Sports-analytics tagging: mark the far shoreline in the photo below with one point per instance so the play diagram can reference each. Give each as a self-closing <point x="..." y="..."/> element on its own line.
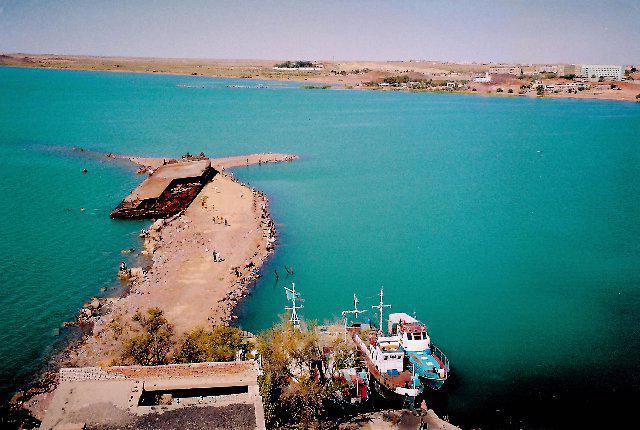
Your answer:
<point x="239" y="69"/>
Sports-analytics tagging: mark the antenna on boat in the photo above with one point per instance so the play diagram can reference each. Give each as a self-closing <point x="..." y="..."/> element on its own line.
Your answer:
<point x="354" y="311"/>
<point x="293" y="296"/>
<point x="380" y="307"/>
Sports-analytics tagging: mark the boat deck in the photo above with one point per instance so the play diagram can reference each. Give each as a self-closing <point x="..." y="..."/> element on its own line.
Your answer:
<point x="426" y="365"/>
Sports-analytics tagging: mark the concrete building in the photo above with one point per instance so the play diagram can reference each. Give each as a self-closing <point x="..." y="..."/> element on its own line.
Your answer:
<point x="185" y="396"/>
<point x="484" y="79"/>
<point x="605" y="71"/>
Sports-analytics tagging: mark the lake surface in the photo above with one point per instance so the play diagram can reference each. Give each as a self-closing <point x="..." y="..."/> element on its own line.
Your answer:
<point x="511" y="226"/>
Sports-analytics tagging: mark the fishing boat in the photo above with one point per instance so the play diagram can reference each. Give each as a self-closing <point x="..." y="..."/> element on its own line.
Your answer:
<point x="427" y="361"/>
<point x="385" y="361"/>
<point x="403" y="361"/>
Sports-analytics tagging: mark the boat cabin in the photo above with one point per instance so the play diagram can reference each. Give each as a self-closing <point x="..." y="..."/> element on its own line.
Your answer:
<point x="387" y="355"/>
<point x="412" y="333"/>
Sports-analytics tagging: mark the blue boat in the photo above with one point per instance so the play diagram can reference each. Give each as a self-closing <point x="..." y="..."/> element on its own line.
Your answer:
<point x="426" y="360"/>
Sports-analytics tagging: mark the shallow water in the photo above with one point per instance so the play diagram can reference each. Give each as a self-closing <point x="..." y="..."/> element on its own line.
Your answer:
<point x="508" y="225"/>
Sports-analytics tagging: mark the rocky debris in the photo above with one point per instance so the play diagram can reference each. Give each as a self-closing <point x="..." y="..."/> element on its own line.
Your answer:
<point x="191" y="157"/>
<point x="134" y="273"/>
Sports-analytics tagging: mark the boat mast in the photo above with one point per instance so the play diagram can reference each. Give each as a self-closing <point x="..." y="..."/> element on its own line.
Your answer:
<point x="293" y="296"/>
<point x="354" y="311"/>
<point x="380" y="307"/>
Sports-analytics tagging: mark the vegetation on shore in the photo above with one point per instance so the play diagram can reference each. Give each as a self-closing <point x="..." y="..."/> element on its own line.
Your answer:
<point x="315" y="87"/>
<point x="294" y="64"/>
<point x="296" y="384"/>
<point x="152" y="342"/>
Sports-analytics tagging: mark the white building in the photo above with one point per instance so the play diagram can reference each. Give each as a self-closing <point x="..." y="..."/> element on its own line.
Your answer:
<point x="598" y="71"/>
<point x="485" y="78"/>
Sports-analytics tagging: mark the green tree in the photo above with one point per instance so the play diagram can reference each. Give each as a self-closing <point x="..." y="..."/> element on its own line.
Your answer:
<point x="291" y="384"/>
<point x="199" y="345"/>
<point x="152" y="342"/>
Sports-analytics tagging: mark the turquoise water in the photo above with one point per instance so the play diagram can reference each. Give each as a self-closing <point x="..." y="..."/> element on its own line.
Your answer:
<point x="509" y="225"/>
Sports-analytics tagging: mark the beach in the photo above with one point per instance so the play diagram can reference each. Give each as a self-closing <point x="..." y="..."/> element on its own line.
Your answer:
<point x="193" y="287"/>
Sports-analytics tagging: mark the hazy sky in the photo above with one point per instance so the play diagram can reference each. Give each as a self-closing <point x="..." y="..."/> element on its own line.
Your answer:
<point x="526" y="31"/>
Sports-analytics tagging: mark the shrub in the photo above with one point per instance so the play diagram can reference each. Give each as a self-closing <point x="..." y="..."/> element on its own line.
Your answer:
<point x="396" y="80"/>
<point x="220" y="344"/>
<point x="293" y="385"/>
<point x="294" y="64"/>
<point x="151" y="345"/>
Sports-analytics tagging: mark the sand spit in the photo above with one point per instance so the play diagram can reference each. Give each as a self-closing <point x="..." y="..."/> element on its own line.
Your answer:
<point x="191" y="285"/>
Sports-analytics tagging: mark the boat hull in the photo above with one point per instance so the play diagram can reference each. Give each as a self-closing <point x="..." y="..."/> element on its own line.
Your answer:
<point x="405" y="398"/>
<point x="432" y="384"/>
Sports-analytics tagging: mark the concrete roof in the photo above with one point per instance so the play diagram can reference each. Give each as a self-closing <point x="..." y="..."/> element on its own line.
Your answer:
<point x="109" y="397"/>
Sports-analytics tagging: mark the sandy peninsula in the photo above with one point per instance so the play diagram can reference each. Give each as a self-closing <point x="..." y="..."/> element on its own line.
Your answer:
<point x="182" y="276"/>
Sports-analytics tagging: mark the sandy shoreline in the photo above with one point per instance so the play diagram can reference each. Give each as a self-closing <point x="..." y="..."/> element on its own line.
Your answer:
<point x="183" y="279"/>
<point x="341" y="74"/>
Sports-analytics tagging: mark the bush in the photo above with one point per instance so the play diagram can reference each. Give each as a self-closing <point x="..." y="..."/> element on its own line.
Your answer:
<point x="294" y="64"/>
<point x="151" y="345"/>
<point x="293" y="385"/>
<point x="220" y="344"/>
<point x="396" y="80"/>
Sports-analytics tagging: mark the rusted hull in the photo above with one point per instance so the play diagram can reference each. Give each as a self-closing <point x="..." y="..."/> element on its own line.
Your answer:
<point x="175" y="198"/>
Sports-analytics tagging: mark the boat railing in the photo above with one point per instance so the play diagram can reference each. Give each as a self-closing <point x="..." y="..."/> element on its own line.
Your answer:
<point x="437" y="352"/>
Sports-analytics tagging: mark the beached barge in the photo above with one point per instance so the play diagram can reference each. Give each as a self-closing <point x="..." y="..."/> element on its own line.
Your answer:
<point x="168" y="190"/>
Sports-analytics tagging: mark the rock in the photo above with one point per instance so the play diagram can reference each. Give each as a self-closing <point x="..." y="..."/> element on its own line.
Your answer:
<point x="157" y="225"/>
<point x="136" y="272"/>
<point x="95" y="303"/>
